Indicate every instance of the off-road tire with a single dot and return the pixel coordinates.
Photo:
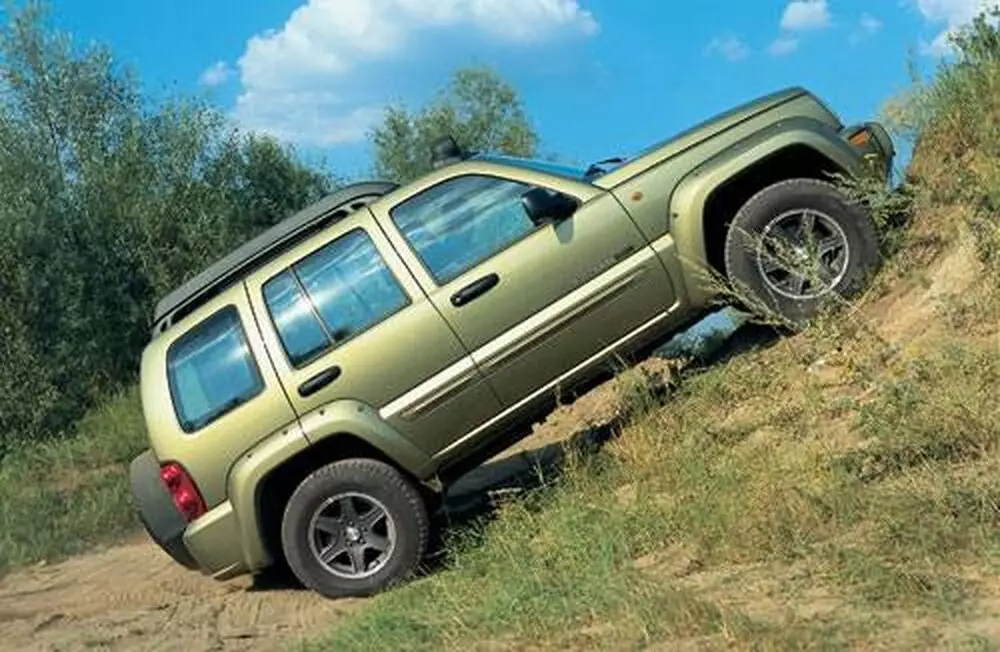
(752, 219)
(402, 501)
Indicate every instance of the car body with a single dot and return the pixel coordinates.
(424, 326)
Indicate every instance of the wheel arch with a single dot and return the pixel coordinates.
(708, 198)
(263, 479)
(276, 488)
(724, 202)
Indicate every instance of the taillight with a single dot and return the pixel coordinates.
(183, 491)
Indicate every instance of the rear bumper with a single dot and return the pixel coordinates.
(210, 544)
(162, 521)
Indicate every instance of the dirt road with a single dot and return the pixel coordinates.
(134, 597)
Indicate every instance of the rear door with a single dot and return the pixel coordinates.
(341, 324)
(529, 302)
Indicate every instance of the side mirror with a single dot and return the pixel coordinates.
(545, 206)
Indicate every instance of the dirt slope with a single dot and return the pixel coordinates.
(134, 597)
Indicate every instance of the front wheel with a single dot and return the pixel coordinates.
(354, 528)
(797, 245)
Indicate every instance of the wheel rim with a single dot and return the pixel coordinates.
(352, 535)
(803, 254)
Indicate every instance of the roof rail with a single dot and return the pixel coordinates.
(265, 247)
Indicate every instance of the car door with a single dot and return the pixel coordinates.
(340, 323)
(529, 302)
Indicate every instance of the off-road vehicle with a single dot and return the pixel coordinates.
(308, 396)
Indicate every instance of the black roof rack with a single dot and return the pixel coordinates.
(264, 248)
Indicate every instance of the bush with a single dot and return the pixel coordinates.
(107, 201)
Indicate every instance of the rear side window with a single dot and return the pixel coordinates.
(211, 370)
(332, 296)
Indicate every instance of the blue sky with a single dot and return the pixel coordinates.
(598, 77)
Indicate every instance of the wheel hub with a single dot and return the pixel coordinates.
(352, 535)
(803, 254)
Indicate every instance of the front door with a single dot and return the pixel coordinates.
(529, 302)
(340, 323)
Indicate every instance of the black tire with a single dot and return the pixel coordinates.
(748, 227)
(361, 479)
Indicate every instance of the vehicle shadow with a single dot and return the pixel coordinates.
(474, 497)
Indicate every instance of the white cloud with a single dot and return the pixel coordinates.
(953, 15)
(802, 15)
(868, 26)
(799, 16)
(325, 44)
(783, 46)
(216, 74)
(729, 47)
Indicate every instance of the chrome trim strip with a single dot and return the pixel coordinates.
(652, 323)
(588, 297)
(540, 326)
(432, 391)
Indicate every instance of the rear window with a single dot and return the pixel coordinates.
(211, 370)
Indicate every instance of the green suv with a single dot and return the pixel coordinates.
(310, 396)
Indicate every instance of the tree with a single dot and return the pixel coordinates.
(480, 110)
(108, 199)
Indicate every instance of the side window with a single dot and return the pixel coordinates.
(211, 370)
(458, 224)
(331, 296)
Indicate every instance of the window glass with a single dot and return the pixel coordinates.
(211, 370)
(460, 223)
(302, 334)
(331, 296)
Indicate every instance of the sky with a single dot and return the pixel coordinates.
(597, 77)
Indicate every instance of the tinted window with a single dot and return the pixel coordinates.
(331, 296)
(211, 370)
(302, 334)
(460, 223)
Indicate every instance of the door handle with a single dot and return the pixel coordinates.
(319, 381)
(474, 290)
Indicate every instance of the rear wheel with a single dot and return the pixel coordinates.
(354, 528)
(797, 245)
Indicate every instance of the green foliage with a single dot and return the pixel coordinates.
(953, 119)
(481, 111)
(107, 201)
(61, 497)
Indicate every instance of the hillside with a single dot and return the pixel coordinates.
(836, 489)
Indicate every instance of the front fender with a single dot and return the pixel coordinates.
(340, 418)
(687, 205)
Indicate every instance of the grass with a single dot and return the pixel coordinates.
(63, 497)
(838, 489)
(846, 521)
